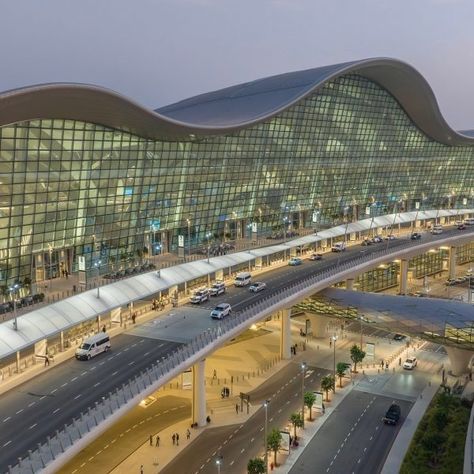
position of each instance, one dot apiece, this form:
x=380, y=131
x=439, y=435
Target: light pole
x=360, y=319
x=265, y=443
x=208, y=236
x=218, y=464
x=13, y=290
x=334, y=339
x=97, y=265
x=303, y=373
x=188, y=221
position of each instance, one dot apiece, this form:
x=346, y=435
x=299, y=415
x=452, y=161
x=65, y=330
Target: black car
x=393, y=415
x=415, y=236
x=399, y=337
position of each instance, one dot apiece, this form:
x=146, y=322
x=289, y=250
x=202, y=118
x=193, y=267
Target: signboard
x=318, y=402
x=254, y=227
x=181, y=241
x=187, y=380
x=285, y=441
x=115, y=316
x=315, y=217
x=370, y=349
x=367, y=211
x=81, y=262
x=417, y=205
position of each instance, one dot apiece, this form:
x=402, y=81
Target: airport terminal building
x=85, y=172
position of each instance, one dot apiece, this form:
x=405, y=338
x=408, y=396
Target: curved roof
x=229, y=109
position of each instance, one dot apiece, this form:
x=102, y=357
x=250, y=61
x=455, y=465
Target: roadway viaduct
x=133, y=370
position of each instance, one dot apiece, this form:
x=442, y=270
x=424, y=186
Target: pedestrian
x=141, y=469
x=46, y=360
x=188, y=434
x=381, y=363
x=386, y=365
x=174, y=439
x=399, y=361
x=157, y=444
x=67, y=274
x=330, y=342
x=237, y=408
x=134, y=316
x=214, y=375
x=151, y=440
x=177, y=439
x=103, y=328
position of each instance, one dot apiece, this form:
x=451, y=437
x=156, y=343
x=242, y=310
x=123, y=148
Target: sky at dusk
x=161, y=51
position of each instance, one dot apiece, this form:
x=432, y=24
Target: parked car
x=339, y=247
x=399, y=337
x=392, y=415
x=390, y=237
x=221, y=311
x=366, y=242
x=200, y=296
x=316, y=256
x=410, y=363
x=437, y=229
x=257, y=286
x=451, y=282
x=461, y=227
x=415, y=236
x=295, y=261
x=377, y=239
x=218, y=288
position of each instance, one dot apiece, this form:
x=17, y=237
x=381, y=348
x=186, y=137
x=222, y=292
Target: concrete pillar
x=258, y=262
x=18, y=361
x=292, y=251
x=452, y=262
x=459, y=359
x=98, y=328
x=318, y=324
x=285, y=334
x=350, y=284
x=61, y=344
x=219, y=274
x=199, y=394
x=403, y=276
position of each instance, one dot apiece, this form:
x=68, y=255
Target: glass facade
x=70, y=188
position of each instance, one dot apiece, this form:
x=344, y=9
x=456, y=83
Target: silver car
x=221, y=311
x=257, y=286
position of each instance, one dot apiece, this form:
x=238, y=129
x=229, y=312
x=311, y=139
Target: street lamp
x=218, y=464
x=303, y=373
x=97, y=265
x=13, y=290
x=208, y=236
x=334, y=339
x=360, y=319
x=265, y=405
x=188, y=221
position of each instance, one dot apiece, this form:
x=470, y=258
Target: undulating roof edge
x=226, y=110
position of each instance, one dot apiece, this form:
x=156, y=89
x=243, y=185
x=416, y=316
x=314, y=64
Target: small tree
x=274, y=440
x=256, y=466
x=309, y=399
x=341, y=371
x=357, y=356
x=327, y=383
x=296, y=420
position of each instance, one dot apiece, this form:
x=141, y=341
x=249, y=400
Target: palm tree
x=309, y=399
x=256, y=466
x=274, y=440
x=341, y=368
x=296, y=420
x=327, y=383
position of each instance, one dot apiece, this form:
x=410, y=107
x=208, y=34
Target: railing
x=158, y=374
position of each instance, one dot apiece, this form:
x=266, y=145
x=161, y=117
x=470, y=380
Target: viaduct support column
x=199, y=394
x=459, y=359
x=403, y=276
x=285, y=334
x=452, y=262
x=350, y=284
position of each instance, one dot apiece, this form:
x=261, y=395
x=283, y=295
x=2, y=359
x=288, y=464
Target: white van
x=93, y=345
x=437, y=229
x=243, y=279
x=469, y=221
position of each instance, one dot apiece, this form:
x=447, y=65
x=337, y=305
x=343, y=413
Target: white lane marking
x=44, y=396
x=77, y=396
x=31, y=404
x=6, y=444
x=6, y=419
x=32, y=426
x=115, y=373
x=84, y=373
x=97, y=384
x=131, y=363
x=55, y=411
x=231, y=463
x=63, y=385
x=55, y=390
x=242, y=450
x=73, y=379
x=19, y=411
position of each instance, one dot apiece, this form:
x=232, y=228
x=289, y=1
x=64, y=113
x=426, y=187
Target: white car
x=339, y=247
x=200, y=296
x=218, y=288
x=221, y=311
x=316, y=256
x=257, y=286
x=410, y=363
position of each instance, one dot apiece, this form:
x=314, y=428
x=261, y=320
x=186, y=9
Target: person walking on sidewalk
x=177, y=439
x=174, y=438
x=237, y=408
x=141, y=469
x=188, y=434
x=214, y=375
x=157, y=444
x=151, y=440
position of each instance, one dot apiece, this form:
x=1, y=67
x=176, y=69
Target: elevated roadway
x=43, y=405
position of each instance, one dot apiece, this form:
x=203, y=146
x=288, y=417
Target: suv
x=410, y=363
x=415, y=236
x=339, y=247
x=295, y=261
x=437, y=229
x=316, y=256
x=257, y=286
x=218, y=288
x=221, y=311
x=393, y=415
x=200, y=296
